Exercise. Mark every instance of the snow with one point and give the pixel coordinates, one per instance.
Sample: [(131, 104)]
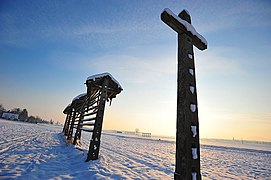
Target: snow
[(188, 26), (93, 77), (193, 107), (39, 151), (192, 89), (191, 71), (194, 130), (194, 176), (194, 153), (79, 96), (190, 56)]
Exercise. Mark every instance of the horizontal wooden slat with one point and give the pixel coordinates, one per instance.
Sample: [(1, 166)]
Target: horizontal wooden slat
[(89, 119), (88, 124), (90, 113), (94, 107), (87, 129)]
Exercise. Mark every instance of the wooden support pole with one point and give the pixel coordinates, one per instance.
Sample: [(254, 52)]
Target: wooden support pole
[(95, 141), (77, 136), (66, 123), (187, 142), (70, 131), (187, 131)]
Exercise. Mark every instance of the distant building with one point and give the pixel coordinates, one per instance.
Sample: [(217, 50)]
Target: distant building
[(10, 116)]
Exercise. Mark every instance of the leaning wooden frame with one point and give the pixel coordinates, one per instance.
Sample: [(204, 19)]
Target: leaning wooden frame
[(86, 111)]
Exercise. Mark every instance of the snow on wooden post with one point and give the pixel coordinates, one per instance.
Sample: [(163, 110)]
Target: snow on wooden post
[(187, 135)]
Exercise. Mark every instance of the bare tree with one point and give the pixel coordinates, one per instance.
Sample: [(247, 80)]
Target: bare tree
[(136, 130)]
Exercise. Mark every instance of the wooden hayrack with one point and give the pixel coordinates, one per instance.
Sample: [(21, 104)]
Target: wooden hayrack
[(86, 111)]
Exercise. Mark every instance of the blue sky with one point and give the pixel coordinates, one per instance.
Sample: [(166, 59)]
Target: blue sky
[(49, 48)]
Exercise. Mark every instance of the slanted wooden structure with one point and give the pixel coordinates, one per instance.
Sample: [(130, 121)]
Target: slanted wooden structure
[(86, 111), (73, 114), (187, 135)]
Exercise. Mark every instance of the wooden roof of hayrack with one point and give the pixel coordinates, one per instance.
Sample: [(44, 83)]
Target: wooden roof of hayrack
[(76, 102), (95, 82), (67, 109)]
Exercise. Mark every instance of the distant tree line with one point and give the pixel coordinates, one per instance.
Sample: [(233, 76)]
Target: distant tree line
[(23, 115)]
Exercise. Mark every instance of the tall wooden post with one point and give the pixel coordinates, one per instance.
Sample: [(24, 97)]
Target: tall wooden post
[(70, 130), (66, 124), (95, 141), (187, 133)]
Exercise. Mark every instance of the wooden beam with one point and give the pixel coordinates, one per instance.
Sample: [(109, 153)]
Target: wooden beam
[(173, 22)]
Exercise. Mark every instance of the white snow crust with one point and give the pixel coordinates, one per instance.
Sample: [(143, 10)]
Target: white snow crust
[(194, 130), (93, 77), (39, 151), (190, 56), (193, 107), (188, 26), (194, 176), (191, 71), (192, 89), (194, 153)]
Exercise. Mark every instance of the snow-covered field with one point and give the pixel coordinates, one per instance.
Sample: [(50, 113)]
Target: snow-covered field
[(39, 151)]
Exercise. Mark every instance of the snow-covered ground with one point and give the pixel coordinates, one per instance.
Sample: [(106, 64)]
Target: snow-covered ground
[(39, 151)]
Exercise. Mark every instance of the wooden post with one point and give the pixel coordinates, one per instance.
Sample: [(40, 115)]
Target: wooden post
[(70, 131), (77, 136), (66, 123), (187, 131), (95, 141)]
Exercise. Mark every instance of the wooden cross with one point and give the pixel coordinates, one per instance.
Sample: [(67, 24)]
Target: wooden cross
[(187, 135)]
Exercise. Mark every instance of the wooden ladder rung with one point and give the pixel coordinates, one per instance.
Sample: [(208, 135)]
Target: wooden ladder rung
[(90, 113), (89, 119), (87, 129), (88, 124)]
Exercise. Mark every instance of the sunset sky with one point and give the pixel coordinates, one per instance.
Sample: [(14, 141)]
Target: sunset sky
[(49, 48)]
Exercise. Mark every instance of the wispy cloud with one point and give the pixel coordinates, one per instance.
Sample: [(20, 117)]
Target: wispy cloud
[(130, 67), (54, 22)]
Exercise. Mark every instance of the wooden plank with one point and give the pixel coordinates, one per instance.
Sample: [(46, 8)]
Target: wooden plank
[(88, 124), (180, 28), (87, 129), (89, 119), (91, 113)]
